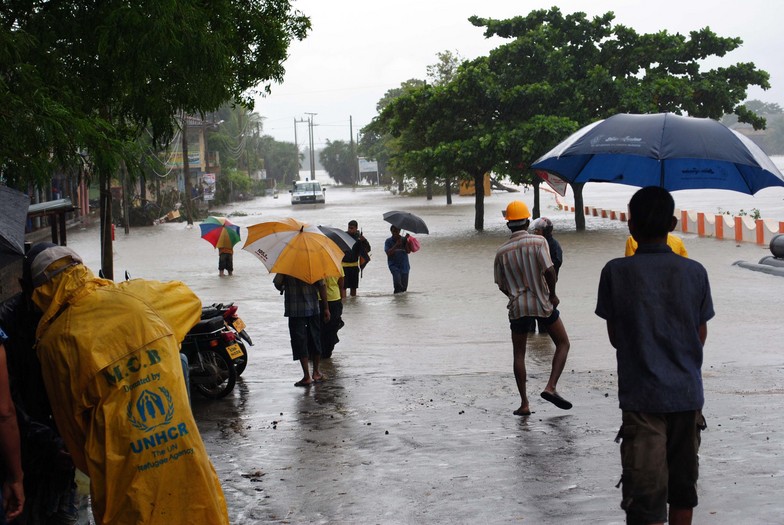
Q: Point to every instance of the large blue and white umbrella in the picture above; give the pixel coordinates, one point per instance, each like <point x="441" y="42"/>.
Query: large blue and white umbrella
<point x="662" y="149"/>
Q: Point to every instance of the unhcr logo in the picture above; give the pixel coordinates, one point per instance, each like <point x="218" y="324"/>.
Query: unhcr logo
<point x="261" y="254"/>
<point x="150" y="410"/>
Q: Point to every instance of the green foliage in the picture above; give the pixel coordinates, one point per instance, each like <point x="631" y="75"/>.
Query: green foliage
<point x="376" y="142"/>
<point x="554" y="74"/>
<point x="754" y="213"/>
<point x="230" y="184"/>
<point x="444" y="70"/>
<point x="771" y="141"/>
<point x="281" y="160"/>
<point x="339" y="161"/>
<point x="90" y="77"/>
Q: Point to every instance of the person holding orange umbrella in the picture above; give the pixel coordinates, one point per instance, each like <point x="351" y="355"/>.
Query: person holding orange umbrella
<point x="304" y="304"/>
<point x="302" y="256"/>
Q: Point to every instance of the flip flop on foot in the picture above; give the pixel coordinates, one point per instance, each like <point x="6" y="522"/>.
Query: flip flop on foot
<point x="302" y="382"/>
<point x="522" y="412"/>
<point x="319" y="378"/>
<point x="556" y="399"/>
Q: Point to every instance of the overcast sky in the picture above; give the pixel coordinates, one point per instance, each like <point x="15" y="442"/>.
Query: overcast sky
<point x="359" y="49"/>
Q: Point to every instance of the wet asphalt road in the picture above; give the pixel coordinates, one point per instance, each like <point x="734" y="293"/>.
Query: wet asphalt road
<point x="415" y="424"/>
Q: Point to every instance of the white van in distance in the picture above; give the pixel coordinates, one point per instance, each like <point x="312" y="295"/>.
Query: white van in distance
<point x="307" y="192"/>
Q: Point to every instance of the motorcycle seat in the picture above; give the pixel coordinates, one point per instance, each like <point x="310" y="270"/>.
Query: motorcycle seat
<point x="210" y="311"/>
<point x="209" y="325"/>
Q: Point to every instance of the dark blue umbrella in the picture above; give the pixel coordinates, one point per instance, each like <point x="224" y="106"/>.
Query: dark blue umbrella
<point x="344" y="241"/>
<point x="663" y="149"/>
<point x="406" y="221"/>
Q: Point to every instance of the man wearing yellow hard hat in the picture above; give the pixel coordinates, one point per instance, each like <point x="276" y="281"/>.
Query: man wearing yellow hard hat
<point x="525" y="273"/>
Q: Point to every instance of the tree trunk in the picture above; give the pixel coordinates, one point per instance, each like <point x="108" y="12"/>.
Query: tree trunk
<point x="448" y="187"/>
<point x="429" y="187"/>
<point x="126" y="198"/>
<point x="186" y="172"/>
<point x="107" y="259"/>
<point x="479" y="205"/>
<point x="143" y="188"/>
<point x="579" y="207"/>
<point x="537" y="211"/>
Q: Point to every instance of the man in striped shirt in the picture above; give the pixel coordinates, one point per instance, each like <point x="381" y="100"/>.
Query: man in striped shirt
<point x="525" y="273"/>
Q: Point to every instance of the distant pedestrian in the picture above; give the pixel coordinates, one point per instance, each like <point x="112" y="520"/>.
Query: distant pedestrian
<point x="355" y="260"/>
<point x="525" y="273"/>
<point x="397" y="250"/>
<point x="305" y="305"/>
<point x="225" y="260"/>
<point x="657" y="305"/>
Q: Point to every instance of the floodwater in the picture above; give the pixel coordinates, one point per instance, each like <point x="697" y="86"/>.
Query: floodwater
<point x="415" y="424"/>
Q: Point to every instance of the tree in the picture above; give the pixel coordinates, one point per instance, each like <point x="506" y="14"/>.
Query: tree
<point x="441" y="73"/>
<point x="444" y="70"/>
<point x="581" y="70"/>
<point x="377" y="143"/>
<point x="338" y="161"/>
<point x="98" y="74"/>
<point x="772" y="139"/>
<point x="281" y="160"/>
<point x="555" y="74"/>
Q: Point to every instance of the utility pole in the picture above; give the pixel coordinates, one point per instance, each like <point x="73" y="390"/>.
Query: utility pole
<point x="312" y="153"/>
<point x="296" y="144"/>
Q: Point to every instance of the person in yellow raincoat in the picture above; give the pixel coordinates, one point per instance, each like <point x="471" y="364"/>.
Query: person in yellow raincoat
<point x="110" y="360"/>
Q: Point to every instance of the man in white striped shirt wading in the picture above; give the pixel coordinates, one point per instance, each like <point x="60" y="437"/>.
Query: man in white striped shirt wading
<point x="525" y="273"/>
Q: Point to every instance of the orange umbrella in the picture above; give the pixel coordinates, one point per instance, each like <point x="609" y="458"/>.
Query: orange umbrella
<point x="294" y="248"/>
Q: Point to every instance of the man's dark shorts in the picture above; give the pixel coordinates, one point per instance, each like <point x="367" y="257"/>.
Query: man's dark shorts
<point x="659" y="455"/>
<point x="305" y="335"/>
<point x="523" y="325"/>
<point x="351" y="277"/>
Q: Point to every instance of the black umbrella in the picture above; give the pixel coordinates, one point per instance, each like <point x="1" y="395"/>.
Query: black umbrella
<point x="406" y="221"/>
<point x="662" y="149"/>
<point x="344" y="241"/>
<point x="12" y="224"/>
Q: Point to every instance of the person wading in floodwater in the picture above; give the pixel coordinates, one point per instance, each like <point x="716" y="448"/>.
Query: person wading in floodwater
<point x="525" y="273"/>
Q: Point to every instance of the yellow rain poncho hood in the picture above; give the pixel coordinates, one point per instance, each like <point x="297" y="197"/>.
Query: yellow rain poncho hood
<point x="110" y="359"/>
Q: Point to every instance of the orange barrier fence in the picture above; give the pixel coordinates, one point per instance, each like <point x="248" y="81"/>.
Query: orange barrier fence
<point x="720" y="226"/>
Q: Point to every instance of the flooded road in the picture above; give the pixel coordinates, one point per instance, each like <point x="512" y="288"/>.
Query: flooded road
<point x="415" y="423"/>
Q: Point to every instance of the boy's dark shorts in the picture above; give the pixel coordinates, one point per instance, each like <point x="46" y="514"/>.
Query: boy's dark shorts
<point x="659" y="455"/>
<point x="226" y="262"/>
<point x="523" y="325"/>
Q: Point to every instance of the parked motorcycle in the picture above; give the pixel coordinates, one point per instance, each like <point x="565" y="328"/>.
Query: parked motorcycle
<point x="215" y="355"/>
<point x="210" y="366"/>
<point x="235" y="325"/>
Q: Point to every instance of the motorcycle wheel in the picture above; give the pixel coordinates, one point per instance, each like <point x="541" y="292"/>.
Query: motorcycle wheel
<point x="241" y="362"/>
<point x="219" y="364"/>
